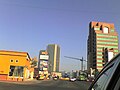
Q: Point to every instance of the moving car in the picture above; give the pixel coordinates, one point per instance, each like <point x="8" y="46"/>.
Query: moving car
<point x="109" y="77"/>
<point x="55" y="78"/>
<point x="62" y="78"/>
<point x="90" y="79"/>
<point x="72" y="79"/>
<point x="40" y="77"/>
<point x="82" y="77"/>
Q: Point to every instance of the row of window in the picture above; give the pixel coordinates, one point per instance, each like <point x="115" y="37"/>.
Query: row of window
<point x="101" y="52"/>
<point x="96" y="28"/>
<point x="116" y="51"/>
<point x="94" y="64"/>
<point x="99" y="64"/>
<point x="107" y="39"/>
<point x="105" y="29"/>
<point x="112" y="30"/>
<point x="100" y="49"/>
<point x="107" y="35"/>
<point x="99" y="61"/>
<point x="114" y="43"/>
<point x="99" y="56"/>
<point x="106" y="46"/>
<point x="15" y="61"/>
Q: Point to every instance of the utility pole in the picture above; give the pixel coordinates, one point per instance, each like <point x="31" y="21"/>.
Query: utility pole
<point x="82" y="64"/>
<point x="81" y="60"/>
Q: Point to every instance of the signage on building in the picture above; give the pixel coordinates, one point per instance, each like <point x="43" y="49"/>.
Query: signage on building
<point x="45" y="53"/>
<point x="45" y="72"/>
<point x="110" y="55"/>
<point x="44" y="57"/>
<point x="41" y="72"/>
<point x="45" y="69"/>
<point x="43" y="65"/>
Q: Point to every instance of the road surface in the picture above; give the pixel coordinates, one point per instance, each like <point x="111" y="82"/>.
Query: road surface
<point x="45" y="85"/>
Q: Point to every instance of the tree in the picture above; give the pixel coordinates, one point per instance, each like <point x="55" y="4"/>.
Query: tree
<point x="34" y="62"/>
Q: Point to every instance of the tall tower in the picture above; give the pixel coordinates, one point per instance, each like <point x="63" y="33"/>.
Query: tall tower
<point x="54" y="57"/>
<point x="102" y="37"/>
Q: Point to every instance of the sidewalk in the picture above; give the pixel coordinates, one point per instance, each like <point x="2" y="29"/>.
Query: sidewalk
<point x="34" y="81"/>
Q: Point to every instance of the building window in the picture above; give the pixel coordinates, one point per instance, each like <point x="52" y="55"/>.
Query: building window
<point x="16" y="71"/>
<point x="99" y="56"/>
<point x="115" y="50"/>
<point x="11" y="60"/>
<point x="105" y="30"/>
<point x="112" y="30"/>
<point x="99" y="52"/>
<point x="99" y="65"/>
<point x="16" y="61"/>
<point x="96" y="28"/>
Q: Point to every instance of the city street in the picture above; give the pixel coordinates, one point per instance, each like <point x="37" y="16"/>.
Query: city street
<point x="45" y="85"/>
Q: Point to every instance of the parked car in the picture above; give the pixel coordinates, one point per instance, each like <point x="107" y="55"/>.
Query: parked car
<point x="109" y="77"/>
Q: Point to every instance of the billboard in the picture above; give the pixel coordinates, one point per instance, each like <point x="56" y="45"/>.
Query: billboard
<point x="45" y="69"/>
<point x="44" y="57"/>
<point x="43" y="65"/>
<point x="43" y="60"/>
<point x="45" y="72"/>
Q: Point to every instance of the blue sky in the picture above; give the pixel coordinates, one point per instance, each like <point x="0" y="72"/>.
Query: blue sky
<point x="30" y="25"/>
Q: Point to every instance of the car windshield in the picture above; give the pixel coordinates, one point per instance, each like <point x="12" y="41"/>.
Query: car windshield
<point x="57" y="44"/>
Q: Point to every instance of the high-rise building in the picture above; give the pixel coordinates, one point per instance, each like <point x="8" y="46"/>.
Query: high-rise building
<point x="54" y="57"/>
<point x="102" y="44"/>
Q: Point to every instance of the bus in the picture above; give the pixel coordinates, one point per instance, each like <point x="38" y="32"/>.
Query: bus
<point x="82" y="76"/>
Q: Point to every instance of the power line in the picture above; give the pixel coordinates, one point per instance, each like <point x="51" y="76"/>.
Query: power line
<point x="60" y="9"/>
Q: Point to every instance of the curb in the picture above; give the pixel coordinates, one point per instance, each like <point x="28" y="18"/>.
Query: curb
<point x="26" y="82"/>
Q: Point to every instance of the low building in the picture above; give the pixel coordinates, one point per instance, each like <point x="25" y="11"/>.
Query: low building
<point x="15" y="65"/>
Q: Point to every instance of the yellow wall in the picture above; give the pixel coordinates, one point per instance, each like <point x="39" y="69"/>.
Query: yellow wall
<point x="7" y="56"/>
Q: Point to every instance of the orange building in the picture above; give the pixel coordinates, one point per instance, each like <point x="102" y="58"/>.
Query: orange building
<point x="15" y="65"/>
